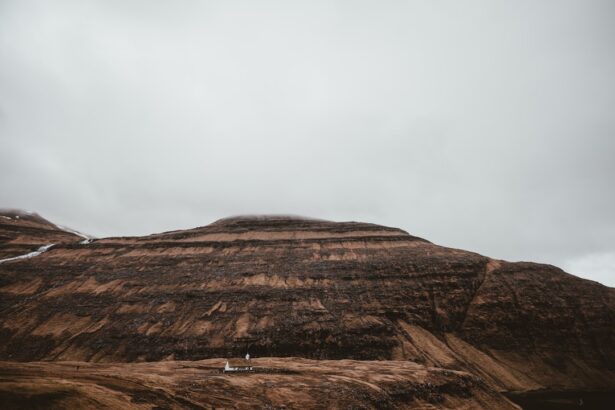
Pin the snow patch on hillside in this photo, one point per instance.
(67, 229)
(29, 255)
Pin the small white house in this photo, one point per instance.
(239, 365)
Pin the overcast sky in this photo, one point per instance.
(482, 125)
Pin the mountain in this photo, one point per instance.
(284, 286)
(22, 232)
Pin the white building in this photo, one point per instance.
(239, 365)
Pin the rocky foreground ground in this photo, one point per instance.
(351, 294)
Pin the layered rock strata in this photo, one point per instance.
(287, 286)
(24, 232)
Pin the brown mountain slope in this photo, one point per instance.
(23, 232)
(285, 286)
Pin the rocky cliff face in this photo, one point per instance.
(286, 286)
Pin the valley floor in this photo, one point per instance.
(290, 383)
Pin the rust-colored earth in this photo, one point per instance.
(371, 307)
(275, 383)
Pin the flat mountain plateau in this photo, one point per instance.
(339, 315)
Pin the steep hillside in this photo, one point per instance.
(23, 232)
(286, 286)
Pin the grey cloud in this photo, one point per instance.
(482, 125)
